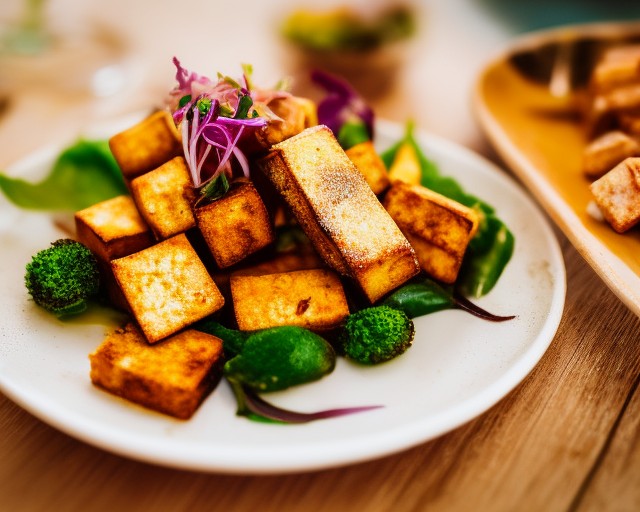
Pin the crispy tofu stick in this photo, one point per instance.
(338, 211)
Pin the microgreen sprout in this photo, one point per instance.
(216, 118)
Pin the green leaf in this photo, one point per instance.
(352, 133)
(481, 268)
(83, 174)
(213, 190)
(420, 297)
(244, 104)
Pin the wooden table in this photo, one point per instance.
(566, 439)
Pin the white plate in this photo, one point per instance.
(540, 136)
(458, 367)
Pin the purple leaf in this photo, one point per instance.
(254, 404)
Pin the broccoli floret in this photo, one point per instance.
(375, 335)
(62, 277)
(279, 357)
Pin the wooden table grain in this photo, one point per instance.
(567, 439)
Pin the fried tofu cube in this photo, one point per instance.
(630, 122)
(339, 212)
(606, 151)
(406, 166)
(167, 287)
(294, 114)
(300, 258)
(113, 228)
(313, 299)
(617, 195)
(146, 145)
(172, 377)
(438, 228)
(368, 162)
(236, 225)
(618, 66)
(164, 197)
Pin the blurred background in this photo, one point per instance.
(66, 65)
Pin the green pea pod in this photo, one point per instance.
(481, 269)
(420, 298)
(279, 357)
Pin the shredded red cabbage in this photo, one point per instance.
(342, 104)
(213, 130)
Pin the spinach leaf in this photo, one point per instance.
(84, 173)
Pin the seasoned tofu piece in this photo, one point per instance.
(438, 228)
(406, 166)
(167, 287)
(294, 114)
(287, 261)
(339, 212)
(617, 194)
(113, 228)
(630, 122)
(164, 197)
(172, 377)
(313, 299)
(146, 145)
(606, 151)
(368, 162)
(619, 65)
(235, 225)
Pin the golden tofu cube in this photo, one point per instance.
(618, 66)
(287, 261)
(113, 228)
(368, 162)
(235, 225)
(630, 122)
(164, 197)
(146, 145)
(339, 212)
(438, 228)
(294, 114)
(313, 299)
(607, 151)
(167, 287)
(406, 166)
(617, 194)
(172, 377)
